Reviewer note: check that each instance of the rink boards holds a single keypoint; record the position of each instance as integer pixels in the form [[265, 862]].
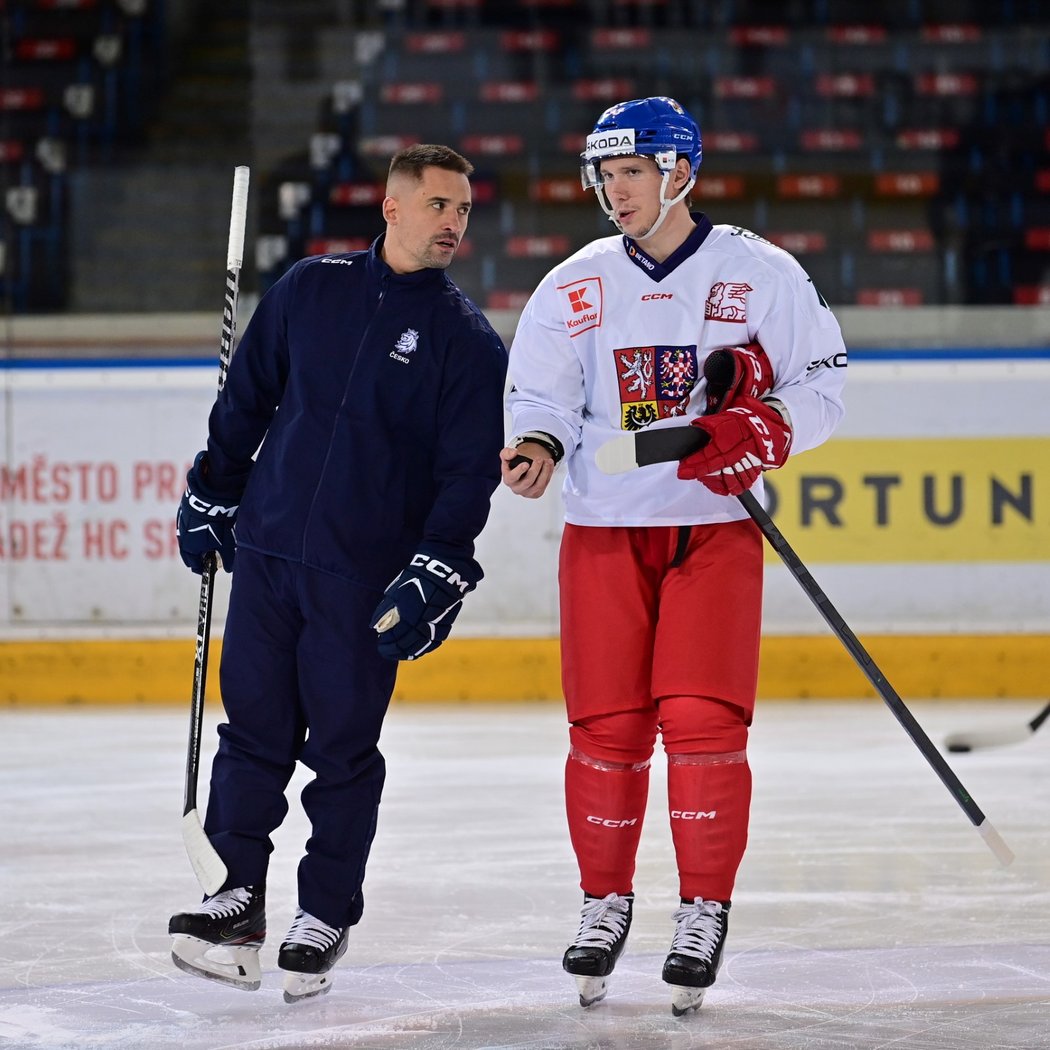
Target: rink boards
[[926, 520]]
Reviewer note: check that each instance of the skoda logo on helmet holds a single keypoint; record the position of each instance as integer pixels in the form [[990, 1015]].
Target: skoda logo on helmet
[[605, 143]]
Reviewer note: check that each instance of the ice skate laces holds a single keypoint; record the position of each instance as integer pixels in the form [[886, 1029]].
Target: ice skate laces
[[602, 922], [227, 903], [698, 927], [313, 933]]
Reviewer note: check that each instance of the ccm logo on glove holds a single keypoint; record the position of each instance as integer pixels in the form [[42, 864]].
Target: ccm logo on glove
[[205, 519], [742, 442], [442, 571], [418, 608], [210, 510]]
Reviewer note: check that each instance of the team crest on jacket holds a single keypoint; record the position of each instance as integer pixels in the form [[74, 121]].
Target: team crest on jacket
[[655, 382], [405, 345], [584, 302], [727, 301]]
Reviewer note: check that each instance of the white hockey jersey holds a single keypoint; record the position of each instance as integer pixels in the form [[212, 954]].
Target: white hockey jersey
[[613, 341]]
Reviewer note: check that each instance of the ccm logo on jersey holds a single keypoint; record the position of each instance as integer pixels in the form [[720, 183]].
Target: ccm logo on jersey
[[689, 814], [584, 299], [441, 570], [657, 295]]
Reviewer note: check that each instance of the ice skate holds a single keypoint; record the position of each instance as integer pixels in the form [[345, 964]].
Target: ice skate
[[604, 922], [696, 952], [221, 940], [308, 953]]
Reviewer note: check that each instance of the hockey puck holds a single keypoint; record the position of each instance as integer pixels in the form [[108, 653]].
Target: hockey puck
[[959, 749], [517, 462]]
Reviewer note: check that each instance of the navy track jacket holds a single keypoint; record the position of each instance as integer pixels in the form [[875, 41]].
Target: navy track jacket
[[380, 398]]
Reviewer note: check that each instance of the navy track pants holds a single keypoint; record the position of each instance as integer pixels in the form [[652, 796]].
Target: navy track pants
[[301, 682]]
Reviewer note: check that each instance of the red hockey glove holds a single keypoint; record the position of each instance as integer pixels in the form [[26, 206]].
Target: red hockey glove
[[733, 372], [744, 440]]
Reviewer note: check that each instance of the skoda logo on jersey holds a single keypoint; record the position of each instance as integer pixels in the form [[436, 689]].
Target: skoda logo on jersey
[[406, 344], [604, 143]]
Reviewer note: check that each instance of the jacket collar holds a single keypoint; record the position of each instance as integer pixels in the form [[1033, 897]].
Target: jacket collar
[[378, 269]]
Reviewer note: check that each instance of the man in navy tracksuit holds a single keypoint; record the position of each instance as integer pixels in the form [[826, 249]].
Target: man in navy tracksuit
[[374, 388]]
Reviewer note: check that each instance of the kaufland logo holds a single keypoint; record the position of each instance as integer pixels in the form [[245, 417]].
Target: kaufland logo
[[584, 320], [578, 301], [584, 299], [602, 143]]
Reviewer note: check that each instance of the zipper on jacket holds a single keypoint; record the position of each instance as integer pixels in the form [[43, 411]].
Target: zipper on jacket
[[342, 404]]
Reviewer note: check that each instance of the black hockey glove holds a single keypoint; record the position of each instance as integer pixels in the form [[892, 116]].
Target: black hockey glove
[[419, 607], [205, 520]]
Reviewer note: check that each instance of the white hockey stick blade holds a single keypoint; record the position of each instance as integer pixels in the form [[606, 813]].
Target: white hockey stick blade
[[979, 738], [617, 456], [207, 864], [1002, 851], [646, 447]]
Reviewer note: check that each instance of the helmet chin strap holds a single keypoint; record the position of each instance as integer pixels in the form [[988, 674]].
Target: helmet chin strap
[[665, 205]]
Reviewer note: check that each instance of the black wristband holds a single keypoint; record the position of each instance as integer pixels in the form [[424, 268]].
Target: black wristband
[[544, 440]]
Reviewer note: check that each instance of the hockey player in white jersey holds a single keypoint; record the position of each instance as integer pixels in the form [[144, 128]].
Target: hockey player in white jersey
[[661, 569]]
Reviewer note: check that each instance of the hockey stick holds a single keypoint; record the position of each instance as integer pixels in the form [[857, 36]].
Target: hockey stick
[[978, 738], [644, 448], [900, 710], [207, 864]]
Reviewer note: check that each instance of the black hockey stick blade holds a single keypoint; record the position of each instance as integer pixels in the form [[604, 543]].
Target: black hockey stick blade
[[900, 710], [976, 739], [667, 444], [643, 448]]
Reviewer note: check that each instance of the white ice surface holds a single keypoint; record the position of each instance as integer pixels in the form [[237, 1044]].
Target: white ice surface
[[869, 912]]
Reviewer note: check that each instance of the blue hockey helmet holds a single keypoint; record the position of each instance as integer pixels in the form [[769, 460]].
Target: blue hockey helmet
[[656, 127]]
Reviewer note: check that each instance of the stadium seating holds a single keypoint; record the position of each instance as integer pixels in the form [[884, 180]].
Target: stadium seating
[[899, 150], [77, 76]]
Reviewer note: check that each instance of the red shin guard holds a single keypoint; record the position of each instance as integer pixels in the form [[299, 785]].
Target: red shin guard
[[709, 798], [605, 803]]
